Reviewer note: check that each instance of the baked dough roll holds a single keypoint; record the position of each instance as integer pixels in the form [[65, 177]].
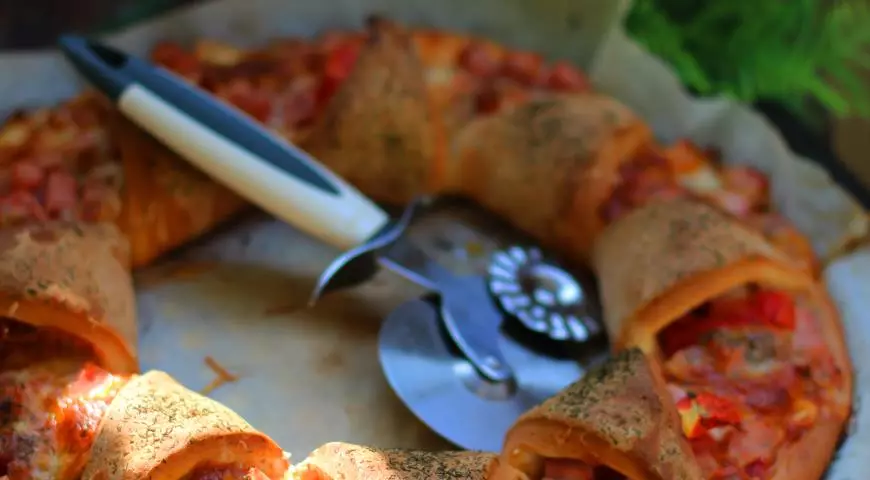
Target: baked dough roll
[[749, 343], [549, 165], [377, 131], [165, 201], [63, 287], [345, 461], [616, 422], [159, 430]]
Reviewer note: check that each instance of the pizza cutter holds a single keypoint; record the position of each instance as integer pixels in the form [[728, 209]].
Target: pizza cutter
[[549, 331], [469, 309]]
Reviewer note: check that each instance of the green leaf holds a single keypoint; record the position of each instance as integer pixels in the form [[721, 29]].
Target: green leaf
[[774, 49]]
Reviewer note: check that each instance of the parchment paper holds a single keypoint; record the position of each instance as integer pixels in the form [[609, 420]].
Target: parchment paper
[[308, 376]]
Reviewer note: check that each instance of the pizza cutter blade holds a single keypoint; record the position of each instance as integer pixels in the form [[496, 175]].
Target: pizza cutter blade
[[447, 393]]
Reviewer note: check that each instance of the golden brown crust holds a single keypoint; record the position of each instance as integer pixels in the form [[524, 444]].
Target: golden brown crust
[[75, 278], [666, 258], [344, 461], [548, 165], [156, 429], [166, 202], [376, 132], [619, 415], [809, 457]]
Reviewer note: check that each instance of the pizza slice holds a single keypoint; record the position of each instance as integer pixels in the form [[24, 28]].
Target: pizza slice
[[81, 161], [748, 341], [617, 422], [67, 343]]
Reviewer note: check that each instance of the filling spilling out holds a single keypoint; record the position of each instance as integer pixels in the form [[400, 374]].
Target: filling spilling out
[[684, 170], [53, 395], [750, 372], [287, 82]]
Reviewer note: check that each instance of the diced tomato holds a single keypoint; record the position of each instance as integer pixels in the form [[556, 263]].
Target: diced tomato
[[565, 77], [60, 193], [341, 59], [252, 101], [27, 175], [524, 67], [478, 60], [337, 66], [175, 58], [776, 308], [704, 411]]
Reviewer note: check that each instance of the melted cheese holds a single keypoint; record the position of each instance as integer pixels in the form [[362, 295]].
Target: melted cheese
[[55, 409], [702, 180]]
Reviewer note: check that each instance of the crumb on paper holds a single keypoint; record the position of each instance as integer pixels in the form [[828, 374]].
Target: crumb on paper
[[332, 362], [282, 309], [223, 376], [179, 271]]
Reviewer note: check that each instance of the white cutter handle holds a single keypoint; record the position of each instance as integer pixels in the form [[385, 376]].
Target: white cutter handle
[[305, 195]]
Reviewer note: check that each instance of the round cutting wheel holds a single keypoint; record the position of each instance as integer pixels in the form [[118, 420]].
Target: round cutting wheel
[[543, 296], [446, 392]]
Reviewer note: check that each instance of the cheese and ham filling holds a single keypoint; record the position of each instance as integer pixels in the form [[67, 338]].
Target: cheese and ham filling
[[60, 164], [569, 469], [749, 372], [52, 397], [210, 471], [287, 83]]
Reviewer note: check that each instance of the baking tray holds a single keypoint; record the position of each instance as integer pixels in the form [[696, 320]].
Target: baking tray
[[307, 376]]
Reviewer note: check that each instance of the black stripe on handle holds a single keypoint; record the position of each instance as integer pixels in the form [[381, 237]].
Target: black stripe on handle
[[113, 72]]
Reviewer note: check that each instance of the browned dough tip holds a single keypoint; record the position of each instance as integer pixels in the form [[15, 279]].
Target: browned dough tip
[[344, 461], [157, 429], [166, 202], [72, 277], [375, 131], [547, 163], [619, 415]]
